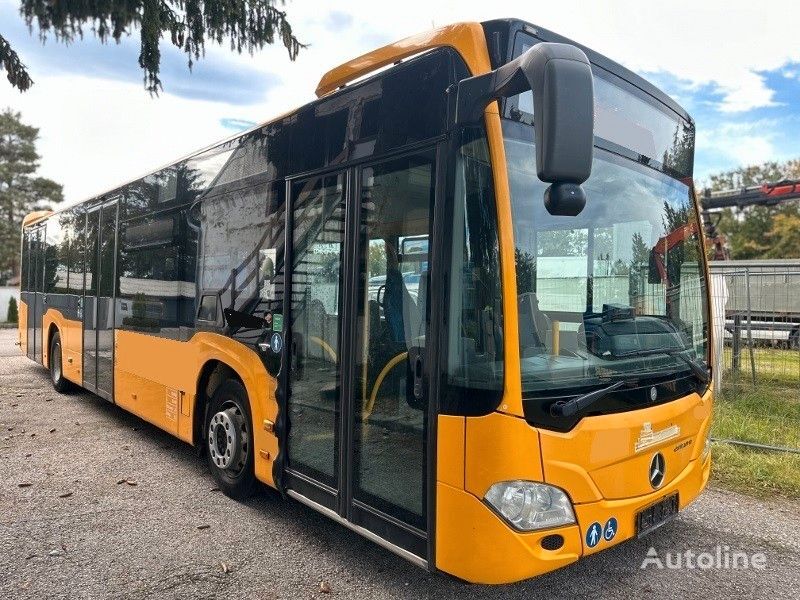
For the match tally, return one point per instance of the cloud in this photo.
(96, 134)
(236, 124)
(746, 143)
(337, 20)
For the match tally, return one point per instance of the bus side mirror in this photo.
(560, 77)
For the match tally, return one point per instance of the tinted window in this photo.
(475, 334)
(157, 274)
(55, 274)
(624, 116)
(24, 258)
(77, 243)
(241, 250)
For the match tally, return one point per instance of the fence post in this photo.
(736, 344)
(749, 326)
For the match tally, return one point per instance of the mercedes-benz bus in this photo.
(458, 303)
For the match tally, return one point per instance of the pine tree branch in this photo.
(16, 73)
(248, 25)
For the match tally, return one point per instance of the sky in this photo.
(734, 65)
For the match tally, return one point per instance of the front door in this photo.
(358, 330)
(36, 292)
(98, 304)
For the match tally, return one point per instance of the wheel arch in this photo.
(211, 375)
(51, 331)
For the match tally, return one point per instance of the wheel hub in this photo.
(227, 439)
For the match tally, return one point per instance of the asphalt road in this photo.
(76, 531)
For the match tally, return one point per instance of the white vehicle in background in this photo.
(762, 296)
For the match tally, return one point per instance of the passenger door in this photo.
(388, 417)
(315, 320)
(98, 304)
(36, 292)
(357, 315)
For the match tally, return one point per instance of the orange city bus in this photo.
(435, 304)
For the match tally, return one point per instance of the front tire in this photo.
(228, 434)
(55, 362)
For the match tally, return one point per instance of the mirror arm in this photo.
(474, 93)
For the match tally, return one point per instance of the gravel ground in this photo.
(76, 531)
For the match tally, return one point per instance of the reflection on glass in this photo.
(390, 422)
(616, 289)
(646, 127)
(314, 402)
(475, 333)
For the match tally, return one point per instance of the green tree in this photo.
(248, 25)
(760, 231)
(20, 190)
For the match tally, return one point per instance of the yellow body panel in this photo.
(466, 38)
(157, 378)
(500, 447)
(22, 326)
(71, 344)
(597, 459)
(474, 544)
(450, 454)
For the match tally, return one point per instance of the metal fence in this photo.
(756, 326)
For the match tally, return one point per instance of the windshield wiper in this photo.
(700, 371)
(567, 408)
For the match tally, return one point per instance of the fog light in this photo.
(707, 448)
(528, 505)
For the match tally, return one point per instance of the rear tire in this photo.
(55, 362)
(228, 435)
(794, 339)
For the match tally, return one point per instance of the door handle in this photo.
(419, 392)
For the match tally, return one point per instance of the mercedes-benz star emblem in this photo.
(657, 470)
(653, 394)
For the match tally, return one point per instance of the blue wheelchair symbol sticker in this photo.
(276, 343)
(594, 534)
(610, 530)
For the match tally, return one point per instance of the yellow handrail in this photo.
(381, 376)
(325, 346)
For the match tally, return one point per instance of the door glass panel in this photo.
(105, 299)
(314, 403)
(34, 295)
(389, 419)
(90, 301)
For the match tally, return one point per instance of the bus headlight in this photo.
(528, 505)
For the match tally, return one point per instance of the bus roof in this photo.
(35, 217)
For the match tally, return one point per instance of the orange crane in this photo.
(766, 194)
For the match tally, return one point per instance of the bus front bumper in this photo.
(476, 545)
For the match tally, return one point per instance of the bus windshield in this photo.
(618, 290)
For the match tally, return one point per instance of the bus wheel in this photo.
(55, 362)
(229, 440)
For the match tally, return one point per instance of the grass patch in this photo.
(768, 413)
(772, 364)
(757, 473)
